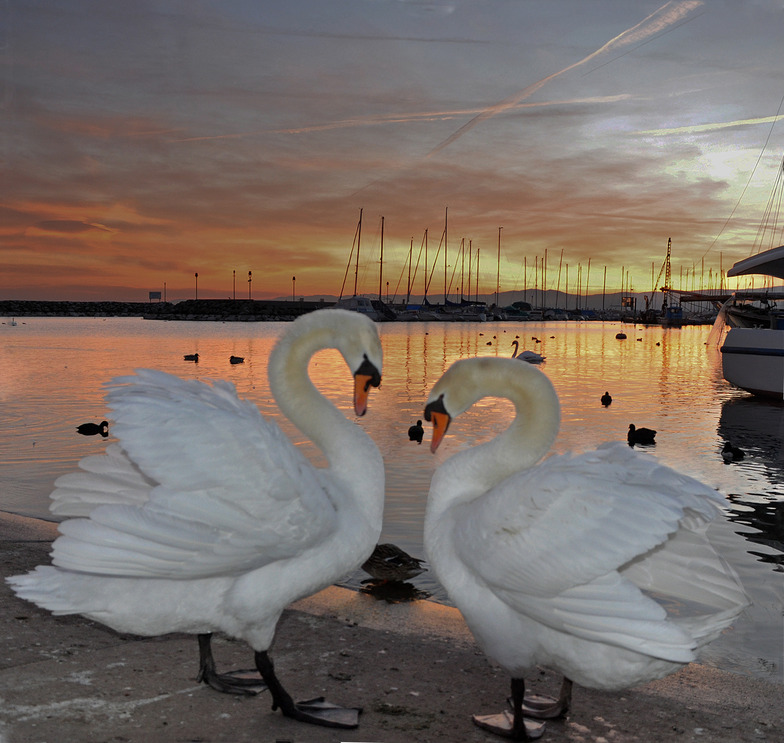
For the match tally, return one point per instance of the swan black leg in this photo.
(512, 725)
(235, 682)
(543, 707)
(314, 711)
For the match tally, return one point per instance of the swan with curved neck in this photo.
(530, 356)
(206, 518)
(555, 563)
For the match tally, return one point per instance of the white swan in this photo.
(555, 563)
(530, 356)
(206, 517)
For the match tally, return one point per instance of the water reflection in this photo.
(766, 517)
(758, 427)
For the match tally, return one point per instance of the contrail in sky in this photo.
(660, 20)
(403, 118)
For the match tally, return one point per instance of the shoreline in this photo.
(413, 667)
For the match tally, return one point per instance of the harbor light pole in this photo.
(197, 285)
(250, 281)
(293, 287)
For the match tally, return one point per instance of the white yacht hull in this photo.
(753, 359)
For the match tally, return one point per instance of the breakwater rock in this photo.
(216, 310)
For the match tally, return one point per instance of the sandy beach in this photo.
(413, 667)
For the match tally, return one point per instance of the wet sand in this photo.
(413, 667)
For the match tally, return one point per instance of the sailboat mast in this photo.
(410, 255)
(470, 265)
(446, 215)
(477, 275)
(462, 268)
(381, 262)
(587, 280)
(359, 239)
(498, 268)
(426, 282)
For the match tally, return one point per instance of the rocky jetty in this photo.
(216, 310)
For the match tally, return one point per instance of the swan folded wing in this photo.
(103, 479)
(706, 589)
(186, 535)
(574, 519)
(610, 611)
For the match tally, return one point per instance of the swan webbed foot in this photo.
(318, 711)
(503, 724)
(245, 682)
(512, 724)
(314, 711)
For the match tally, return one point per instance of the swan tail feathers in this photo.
(46, 588)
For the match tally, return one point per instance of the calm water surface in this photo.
(53, 371)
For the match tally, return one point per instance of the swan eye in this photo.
(437, 406)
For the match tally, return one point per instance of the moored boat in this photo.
(753, 357)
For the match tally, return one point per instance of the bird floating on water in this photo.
(416, 432)
(732, 453)
(389, 563)
(606, 399)
(530, 356)
(236, 359)
(644, 436)
(205, 517)
(191, 357)
(557, 562)
(94, 429)
(620, 336)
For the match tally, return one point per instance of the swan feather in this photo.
(263, 500)
(605, 505)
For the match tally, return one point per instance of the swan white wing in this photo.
(232, 493)
(572, 520)
(609, 610)
(104, 479)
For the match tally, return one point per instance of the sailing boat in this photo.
(375, 310)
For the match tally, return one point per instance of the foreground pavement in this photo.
(413, 668)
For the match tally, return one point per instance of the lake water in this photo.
(52, 372)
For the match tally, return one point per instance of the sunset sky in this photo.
(144, 142)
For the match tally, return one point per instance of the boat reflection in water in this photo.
(757, 427)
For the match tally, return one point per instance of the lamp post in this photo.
(234, 284)
(293, 287)
(197, 285)
(250, 281)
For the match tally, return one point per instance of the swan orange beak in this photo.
(365, 377)
(440, 424)
(435, 412)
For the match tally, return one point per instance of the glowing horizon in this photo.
(144, 147)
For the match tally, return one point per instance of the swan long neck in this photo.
(531, 433)
(299, 400)
(527, 439)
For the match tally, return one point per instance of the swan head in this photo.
(359, 344)
(353, 335)
(469, 380)
(366, 376)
